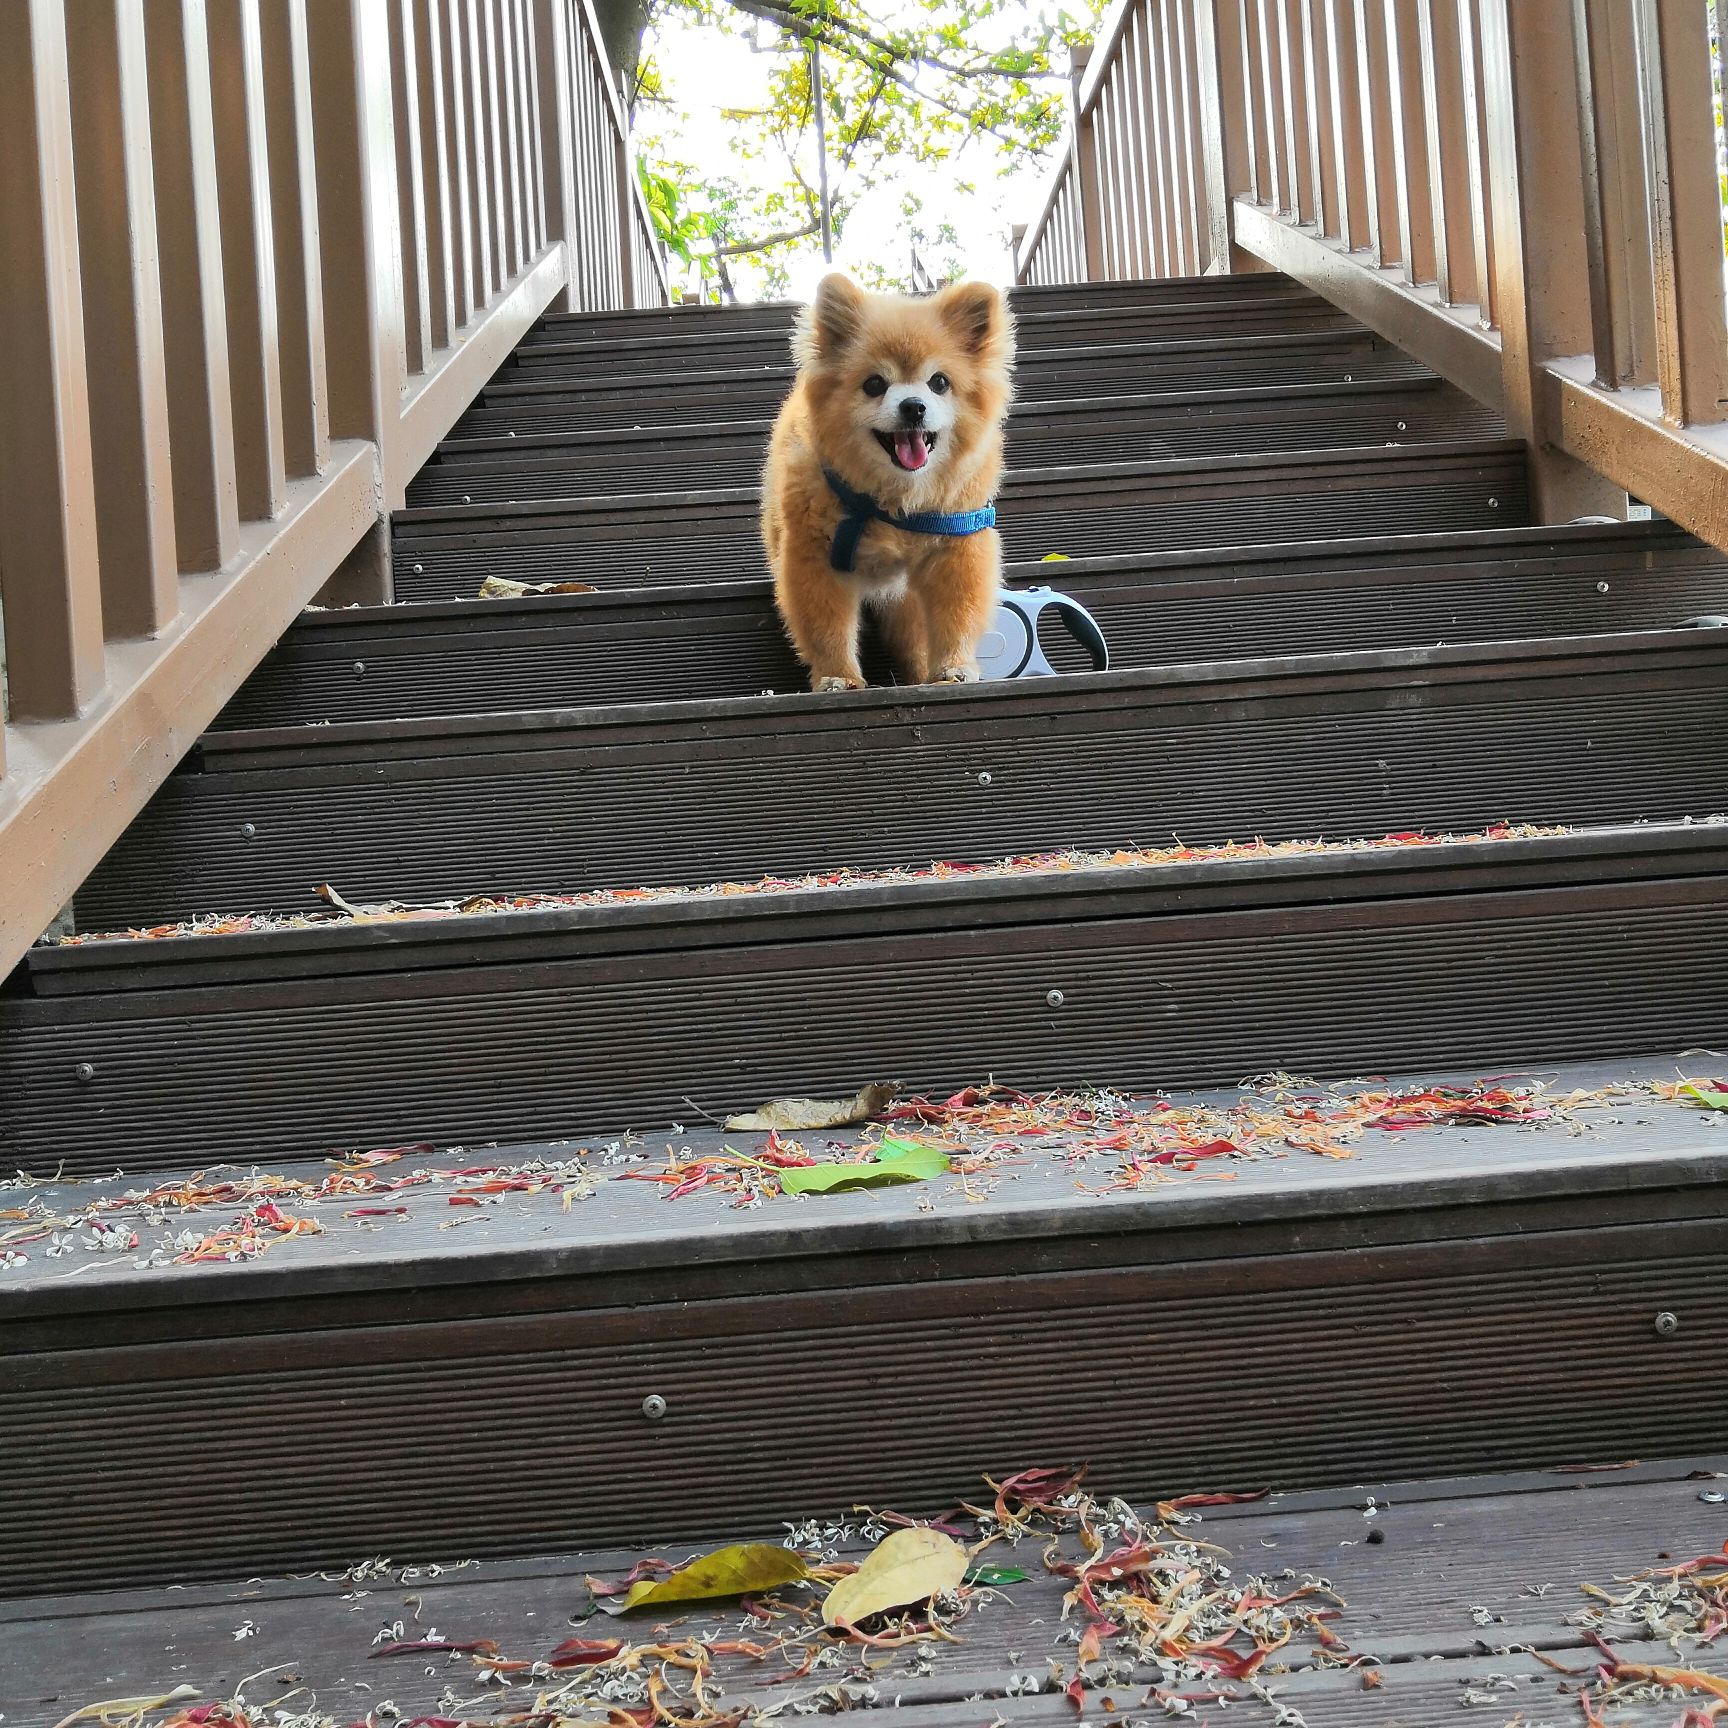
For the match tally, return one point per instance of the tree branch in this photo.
(899, 51)
(737, 248)
(765, 10)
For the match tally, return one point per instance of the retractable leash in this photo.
(1010, 647)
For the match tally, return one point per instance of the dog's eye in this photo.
(939, 383)
(875, 385)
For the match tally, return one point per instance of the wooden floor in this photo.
(1459, 1604)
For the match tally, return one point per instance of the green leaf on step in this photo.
(740, 1570)
(996, 1575)
(894, 1161)
(1711, 1097)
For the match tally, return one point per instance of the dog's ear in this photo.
(979, 319)
(832, 321)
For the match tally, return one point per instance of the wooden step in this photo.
(686, 396)
(724, 640)
(593, 358)
(650, 540)
(1098, 431)
(1025, 301)
(509, 1025)
(1575, 730)
(1309, 1321)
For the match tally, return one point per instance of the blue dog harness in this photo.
(861, 511)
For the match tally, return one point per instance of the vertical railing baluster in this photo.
(294, 213)
(1161, 135)
(410, 186)
(441, 263)
(1448, 173)
(1685, 211)
(1178, 233)
(515, 235)
(1272, 97)
(1408, 125)
(1178, 27)
(1227, 144)
(1293, 65)
(1085, 172)
(465, 268)
(1342, 63)
(534, 132)
(1379, 171)
(1476, 164)
(122, 305)
(189, 241)
(1530, 105)
(479, 165)
(1253, 115)
(1317, 96)
(50, 592)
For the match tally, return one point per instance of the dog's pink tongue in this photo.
(910, 450)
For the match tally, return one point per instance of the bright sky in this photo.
(706, 71)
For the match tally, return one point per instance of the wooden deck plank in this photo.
(615, 1224)
(1414, 1607)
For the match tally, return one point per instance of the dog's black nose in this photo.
(912, 410)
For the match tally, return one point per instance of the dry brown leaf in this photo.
(791, 1115)
(907, 1566)
(507, 588)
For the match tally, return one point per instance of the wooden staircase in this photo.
(1332, 618)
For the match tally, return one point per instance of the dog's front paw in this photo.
(824, 686)
(967, 674)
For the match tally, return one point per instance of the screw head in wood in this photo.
(84, 1071)
(1667, 1324)
(1055, 998)
(653, 1406)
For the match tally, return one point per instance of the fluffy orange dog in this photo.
(880, 475)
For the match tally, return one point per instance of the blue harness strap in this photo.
(860, 510)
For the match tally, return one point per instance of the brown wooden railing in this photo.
(258, 257)
(1522, 193)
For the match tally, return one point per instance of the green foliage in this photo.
(970, 90)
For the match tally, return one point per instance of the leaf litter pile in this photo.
(1153, 1621)
(344, 911)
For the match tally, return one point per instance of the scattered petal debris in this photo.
(1050, 863)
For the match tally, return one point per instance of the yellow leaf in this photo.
(739, 1570)
(1055, 558)
(905, 1567)
(793, 1114)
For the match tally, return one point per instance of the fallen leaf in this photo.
(507, 588)
(994, 1575)
(739, 1570)
(896, 1161)
(905, 1567)
(792, 1114)
(1711, 1097)
(1055, 558)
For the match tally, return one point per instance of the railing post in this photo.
(1224, 140)
(359, 219)
(626, 221)
(48, 559)
(122, 285)
(1086, 172)
(557, 130)
(1530, 95)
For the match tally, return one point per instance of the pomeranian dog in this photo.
(880, 474)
